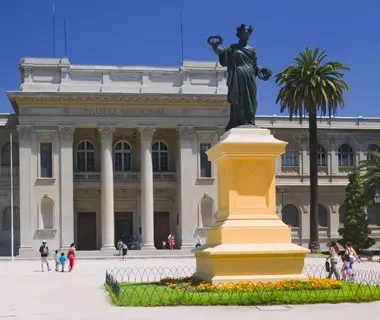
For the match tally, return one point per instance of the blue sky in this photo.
(147, 32)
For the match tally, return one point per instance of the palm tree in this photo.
(371, 173)
(309, 87)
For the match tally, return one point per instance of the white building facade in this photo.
(102, 152)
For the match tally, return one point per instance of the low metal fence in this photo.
(160, 286)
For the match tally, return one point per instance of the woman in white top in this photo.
(351, 254)
(334, 259)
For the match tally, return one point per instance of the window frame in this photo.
(285, 156)
(159, 152)
(130, 151)
(85, 152)
(351, 152)
(319, 156)
(205, 137)
(46, 137)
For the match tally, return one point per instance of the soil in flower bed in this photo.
(190, 291)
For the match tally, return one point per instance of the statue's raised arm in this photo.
(242, 70)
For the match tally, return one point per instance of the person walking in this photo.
(44, 251)
(56, 259)
(334, 259)
(62, 261)
(71, 257)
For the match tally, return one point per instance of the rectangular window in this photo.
(46, 160)
(205, 165)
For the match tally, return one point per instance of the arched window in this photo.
(6, 219)
(373, 213)
(6, 155)
(85, 156)
(123, 156)
(47, 214)
(322, 216)
(346, 156)
(342, 213)
(374, 148)
(207, 216)
(321, 156)
(160, 157)
(290, 215)
(290, 157)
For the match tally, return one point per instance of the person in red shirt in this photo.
(71, 256)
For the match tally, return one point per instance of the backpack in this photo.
(45, 250)
(327, 266)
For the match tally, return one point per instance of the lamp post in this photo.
(284, 190)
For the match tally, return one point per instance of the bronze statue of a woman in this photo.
(242, 70)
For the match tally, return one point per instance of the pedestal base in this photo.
(233, 263)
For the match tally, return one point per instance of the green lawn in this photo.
(154, 294)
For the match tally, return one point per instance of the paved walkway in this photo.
(26, 293)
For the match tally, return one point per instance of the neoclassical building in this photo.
(105, 151)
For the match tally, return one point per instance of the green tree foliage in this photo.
(355, 222)
(308, 87)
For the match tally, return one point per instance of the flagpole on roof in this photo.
(53, 28)
(182, 53)
(12, 217)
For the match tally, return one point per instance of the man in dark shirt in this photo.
(44, 251)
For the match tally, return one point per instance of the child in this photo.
(57, 261)
(346, 269)
(62, 260)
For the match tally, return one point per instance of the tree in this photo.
(371, 173)
(355, 222)
(309, 87)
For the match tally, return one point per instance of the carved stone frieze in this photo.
(122, 100)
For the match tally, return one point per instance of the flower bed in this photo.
(194, 284)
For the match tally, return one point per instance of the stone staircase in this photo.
(107, 255)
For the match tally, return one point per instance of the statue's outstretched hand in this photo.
(215, 41)
(264, 74)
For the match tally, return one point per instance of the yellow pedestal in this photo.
(248, 241)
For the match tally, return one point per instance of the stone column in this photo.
(107, 189)
(333, 155)
(27, 222)
(188, 217)
(66, 135)
(147, 196)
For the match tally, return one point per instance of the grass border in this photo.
(349, 293)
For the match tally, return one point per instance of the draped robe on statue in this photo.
(242, 70)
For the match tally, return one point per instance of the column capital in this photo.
(66, 132)
(186, 133)
(106, 133)
(146, 133)
(24, 132)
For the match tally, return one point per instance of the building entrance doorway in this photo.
(123, 226)
(161, 228)
(86, 230)
(5, 231)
